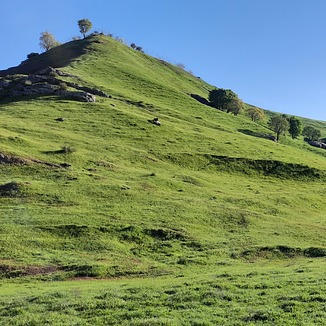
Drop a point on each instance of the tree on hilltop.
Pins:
(47, 41)
(85, 26)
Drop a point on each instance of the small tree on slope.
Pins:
(225, 100)
(311, 133)
(279, 124)
(295, 127)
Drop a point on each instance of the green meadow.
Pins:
(109, 219)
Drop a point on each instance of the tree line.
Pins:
(282, 124)
(228, 101)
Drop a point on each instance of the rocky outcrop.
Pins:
(9, 159)
(47, 82)
(4, 84)
(79, 96)
(317, 144)
(34, 89)
(50, 70)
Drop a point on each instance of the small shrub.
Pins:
(140, 49)
(181, 65)
(32, 54)
(120, 39)
(315, 252)
(67, 149)
(63, 86)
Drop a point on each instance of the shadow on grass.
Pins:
(257, 134)
(63, 150)
(201, 99)
(58, 151)
(56, 57)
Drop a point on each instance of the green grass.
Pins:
(227, 294)
(201, 221)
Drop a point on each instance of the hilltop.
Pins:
(95, 190)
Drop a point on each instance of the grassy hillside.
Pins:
(199, 221)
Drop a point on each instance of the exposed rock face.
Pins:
(317, 144)
(46, 82)
(34, 89)
(4, 84)
(79, 96)
(84, 96)
(49, 70)
(8, 159)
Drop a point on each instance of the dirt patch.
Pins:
(10, 271)
(14, 160)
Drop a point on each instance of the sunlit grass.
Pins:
(195, 222)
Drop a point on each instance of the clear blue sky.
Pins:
(272, 53)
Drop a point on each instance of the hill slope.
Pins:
(103, 192)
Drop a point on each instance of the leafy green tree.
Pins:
(225, 100)
(256, 114)
(47, 41)
(85, 26)
(311, 132)
(295, 127)
(279, 124)
(234, 106)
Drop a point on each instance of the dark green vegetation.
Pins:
(200, 221)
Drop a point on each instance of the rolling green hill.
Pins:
(107, 218)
